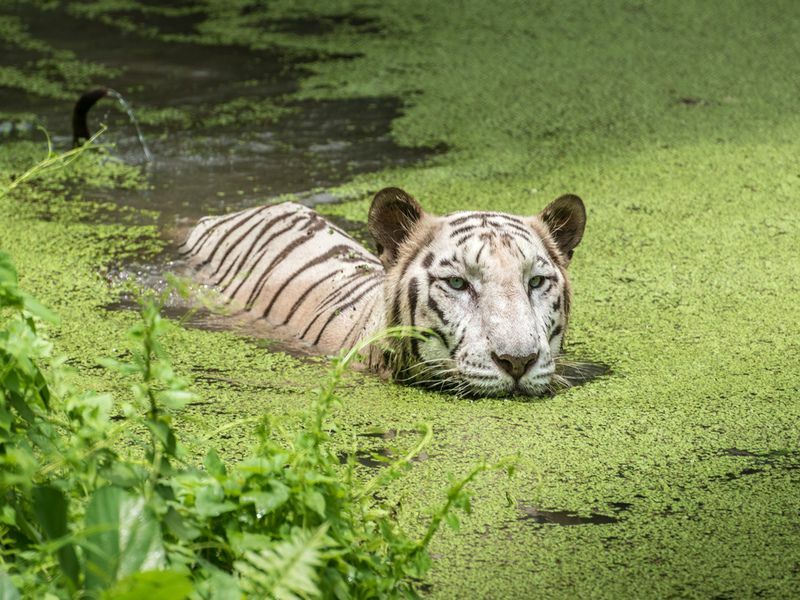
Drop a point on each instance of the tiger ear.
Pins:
(392, 217)
(565, 219)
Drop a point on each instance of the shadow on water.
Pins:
(579, 372)
(760, 462)
(566, 518)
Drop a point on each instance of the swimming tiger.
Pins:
(490, 288)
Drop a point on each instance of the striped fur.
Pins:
(499, 334)
(286, 265)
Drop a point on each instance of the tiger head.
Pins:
(491, 288)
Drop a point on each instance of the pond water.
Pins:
(222, 134)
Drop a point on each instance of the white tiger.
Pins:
(492, 287)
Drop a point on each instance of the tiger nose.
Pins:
(516, 366)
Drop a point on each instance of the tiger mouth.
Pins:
(465, 387)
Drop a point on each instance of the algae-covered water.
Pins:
(677, 474)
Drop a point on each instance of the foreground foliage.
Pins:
(81, 517)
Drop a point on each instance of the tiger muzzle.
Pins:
(516, 366)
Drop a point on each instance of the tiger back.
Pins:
(286, 265)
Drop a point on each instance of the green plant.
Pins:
(54, 161)
(83, 518)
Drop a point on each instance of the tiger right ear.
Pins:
(565, 219)
(392, 217)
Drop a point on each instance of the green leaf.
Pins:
(8, 590)
(123, 474)
(288, 570)
(452, 521)
(210, 502)
(50, 506)
(33, 306)
(220, 586)
(151, 585)
(180, 528)
(315, 501)
(126, 538)
(175, 398)
(126, 368)
(266, 502)
(213, 464)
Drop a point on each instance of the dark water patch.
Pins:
(768, 455)
(260, 146)
(198, 173)
(325, 25)
(561, 517)
(372, 459)
(387, 434)
(223, 134)
(692, 101)
(216, 377)
(379, 458)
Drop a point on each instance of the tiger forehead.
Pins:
(482, 219)
(481, 239)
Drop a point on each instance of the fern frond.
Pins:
(286, 571)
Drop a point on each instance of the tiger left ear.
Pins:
(392, 217)
(565, 219)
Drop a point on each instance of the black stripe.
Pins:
(365, 312)
(340, 292)
(259, 252)
(244, 255)
(234, 226)
(262, 280)
(305, 294)
(465, 238)
(435, 308)
(465, 218)
(310, 264)
(527, 233)
(321, 310)
(507, 217)
(558, 329)
(441, 336)
(340, 310)
(428, 260)
(394, 314)
(414, 254)
(413, 293)
(238, 240)
(521, 252)
(210, 230)
(464, 229)
(478, 256)
(457, 346)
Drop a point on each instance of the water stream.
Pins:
(132, 116)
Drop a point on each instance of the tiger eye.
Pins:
(457, 283)
(536, 282)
